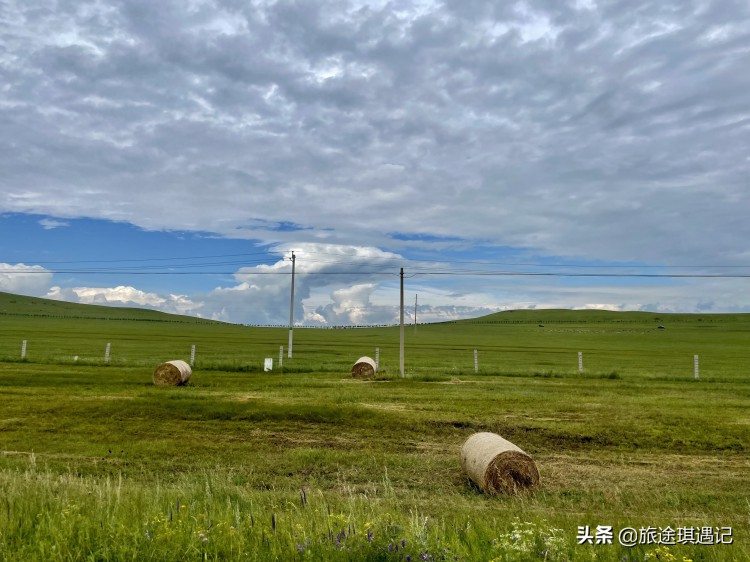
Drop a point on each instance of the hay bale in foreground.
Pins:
(172, 373)
(497, 465)
(364, 368)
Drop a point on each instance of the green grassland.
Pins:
(305, 463)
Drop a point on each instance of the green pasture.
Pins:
(305, 463)
(540, 343)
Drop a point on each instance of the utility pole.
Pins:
(416, 299)
(291, 311)
(401, 344)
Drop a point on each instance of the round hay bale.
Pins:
(172, 373)
(497, 465)
(364, 368)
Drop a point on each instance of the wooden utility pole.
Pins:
(416, 299)
(291, 311)
(401, 344)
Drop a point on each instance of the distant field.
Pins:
(98, 464)
(510, 343)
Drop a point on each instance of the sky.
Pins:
(529, 154)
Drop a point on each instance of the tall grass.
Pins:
(211, 515)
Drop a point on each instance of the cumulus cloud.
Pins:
(340, 274)
(352, 306)
(22, 279)
(125, 296)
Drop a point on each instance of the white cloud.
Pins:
(50, 224)
(326, 274)
(125, 296)
(108, 295)
(24, 279)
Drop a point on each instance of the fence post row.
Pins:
(269, 362)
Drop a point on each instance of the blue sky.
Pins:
(575, 137)
(87, 244)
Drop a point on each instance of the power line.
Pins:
(352, 260)
(423, 273)
(153, 259)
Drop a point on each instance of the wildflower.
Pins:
(370, 535)
(147, 535)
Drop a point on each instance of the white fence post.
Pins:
(377, 358)
(281, 356)
(476, 361)
(106, 353)
(697, 370)
(580, 361)
(23, 350)
(192, 355)
(268, 364)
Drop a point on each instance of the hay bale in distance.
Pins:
(364, 368)
(172, 373)
(497, 465)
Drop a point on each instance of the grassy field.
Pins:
(98, 464)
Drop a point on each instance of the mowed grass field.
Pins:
(305, 463)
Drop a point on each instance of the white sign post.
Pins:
(476, 361)
(268, 364)
(23, 350)
(106, 353)
(192, 355)
(697, 370)
(580, 361)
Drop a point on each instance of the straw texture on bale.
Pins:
(364, 368)
(172, 373)
(497, 465)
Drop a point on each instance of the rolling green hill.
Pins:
(19, 305)
(551, 316)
